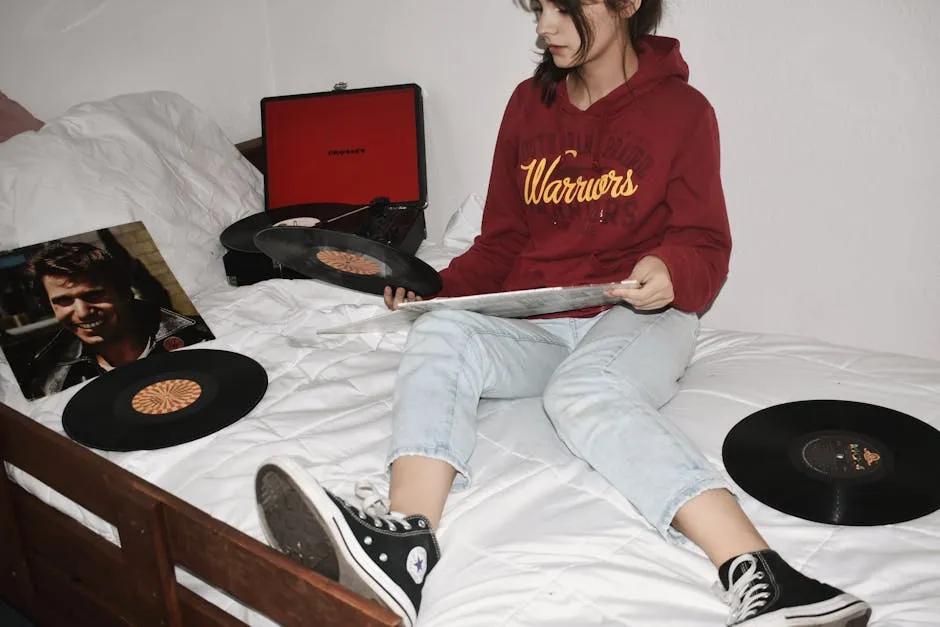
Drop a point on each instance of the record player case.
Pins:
(327, 154)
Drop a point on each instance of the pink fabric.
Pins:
(15, 119)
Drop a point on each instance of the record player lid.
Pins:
(345, 146)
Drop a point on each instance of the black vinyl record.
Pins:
(240, 236)
(837, 462)
(347, 260)
(164, 400)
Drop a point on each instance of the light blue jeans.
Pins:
(602, 380)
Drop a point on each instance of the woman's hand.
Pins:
(655, 290)
(394, 298)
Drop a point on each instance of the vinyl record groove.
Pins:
(837, 462)
(165, 400)
(347, 260)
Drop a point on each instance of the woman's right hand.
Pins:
(393, 298)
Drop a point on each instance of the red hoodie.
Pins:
(579, 197)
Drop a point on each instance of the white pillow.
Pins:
(465, 224)
(152, 157)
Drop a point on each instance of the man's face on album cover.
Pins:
(95, 312)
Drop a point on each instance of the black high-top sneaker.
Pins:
(380, 554)
(765, 591)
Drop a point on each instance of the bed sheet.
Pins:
(540, 539)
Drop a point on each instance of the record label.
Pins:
(166, 397)
(836, 462)
(353, 263)
(303, 221)
(841, 455)
(165, 400)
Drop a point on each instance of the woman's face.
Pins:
(557, 29)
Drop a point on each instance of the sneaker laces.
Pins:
(378, 507)
(745, 595)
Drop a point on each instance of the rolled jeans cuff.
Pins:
(461, 482)
(664, 523)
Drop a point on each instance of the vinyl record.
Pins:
(240, 236)
(347, 260)
(165, 400)
(837, 462)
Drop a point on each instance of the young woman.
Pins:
(606, 168)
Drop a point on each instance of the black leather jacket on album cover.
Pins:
(65, 361)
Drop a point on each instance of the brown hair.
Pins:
(642, 23)
(79, 260)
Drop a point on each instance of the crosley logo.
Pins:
(542, 187)
(343, 152)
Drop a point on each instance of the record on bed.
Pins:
(165, 400)
(347, 260)
(837, 462)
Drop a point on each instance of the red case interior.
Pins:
(345, 147)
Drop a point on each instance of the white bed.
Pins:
(539, 540)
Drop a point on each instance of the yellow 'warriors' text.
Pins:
(540, 187)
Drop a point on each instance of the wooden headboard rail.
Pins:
(253, 150)
(54, 568)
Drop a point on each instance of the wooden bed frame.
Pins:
(56, 571)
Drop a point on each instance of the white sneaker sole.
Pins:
(842, 611)
(293, 532)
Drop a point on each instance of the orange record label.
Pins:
(166, 397)
(348, 262)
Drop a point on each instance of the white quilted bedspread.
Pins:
(540, 540)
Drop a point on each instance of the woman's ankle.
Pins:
(421, 485)
(716, 523)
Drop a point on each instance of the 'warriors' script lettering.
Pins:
(542, 187)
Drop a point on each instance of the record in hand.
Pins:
(837, 462)
(165, 400)
(347, 260)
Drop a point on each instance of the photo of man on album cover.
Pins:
(74, 308)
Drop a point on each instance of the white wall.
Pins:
(831, 131)
(57, 53)
(828, 115)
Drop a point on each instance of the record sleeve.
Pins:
(512, 304)
(525, 303)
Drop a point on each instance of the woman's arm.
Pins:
(697, 245)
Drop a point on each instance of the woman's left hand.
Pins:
(655, 290)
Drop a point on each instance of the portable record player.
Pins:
(348, 160)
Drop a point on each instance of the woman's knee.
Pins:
(571, 398)
(575, 400)
(441, 323)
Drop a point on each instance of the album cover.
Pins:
(511, 304)
(525, 303)
(76, 307)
